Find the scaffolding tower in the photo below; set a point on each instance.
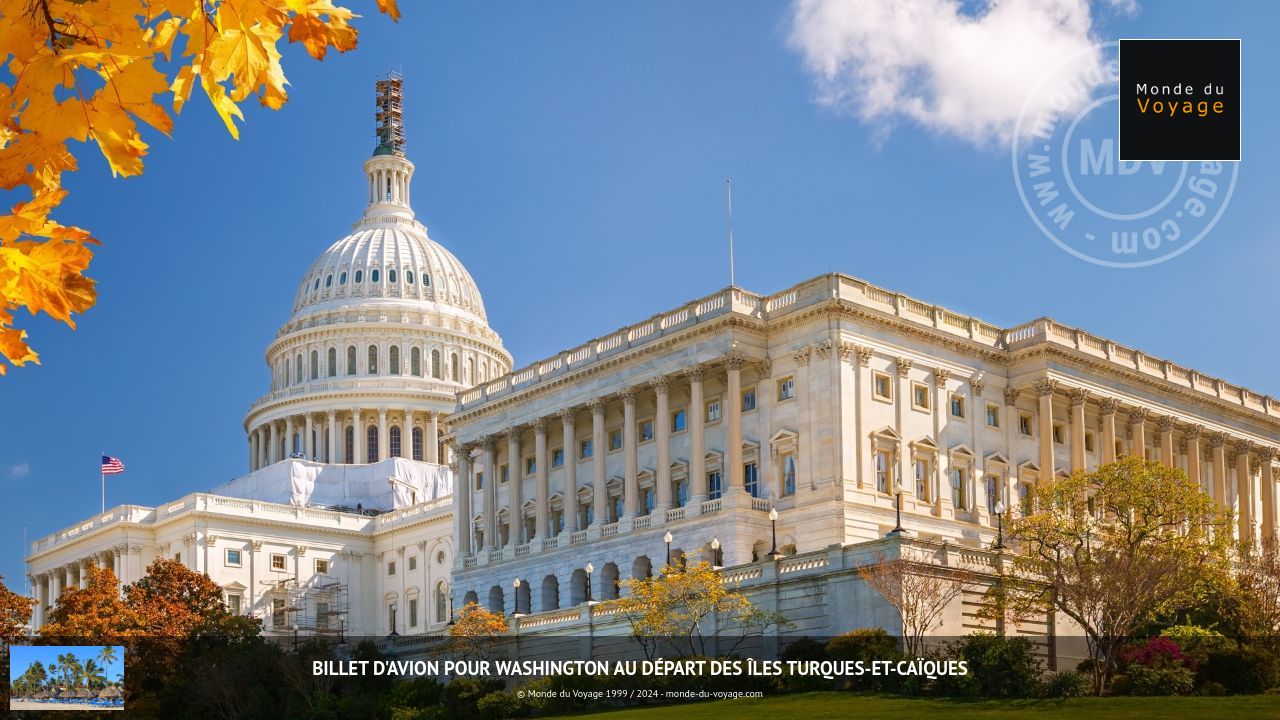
(390, 115)
(319, 609)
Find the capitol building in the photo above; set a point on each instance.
(400, 467)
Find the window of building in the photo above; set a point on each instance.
(413, 563)
(648, 500)
(957, 406)
(882, 386)
(408, 277)
(615, 439)
(322, 613)
(277, 612)
(618, 507)
(277, 561)
(374, 275)
(479, 481)
(993, 494)
(350, 454)
(530, 465)
(677, 421)
(395, 441)
(391, 275)
(1088, 441)
(1057, 433)
(391, 567)
(435, 364)
(234, 601)
(749, 399)
(328, 280)
(333, 362)
(177, 557)
(453, 367)
(751, 479)
(922, 469)
(393, 360)
(442, 603)
(787, 388)
(585, 449)
(788, 474)
(371, 445)
(233, 558)
(713, 410)
(372, 369)
(391, 609)
(342, 278)
(359, 276)
(351, 360)
(884, 471)
(413, 612)
(959, 496)
(315, 365)
(415, 362)
(680, 491)
(322, 566)
(920, 396)
(713, 485)
(557, 457)
(1024, 424)
(646, 430)
(417, 444)
(504, 473)
(993, 415)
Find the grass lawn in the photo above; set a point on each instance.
(819, 705)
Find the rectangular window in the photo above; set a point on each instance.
(504, 471)
(277, 612)
(646, 430)
(786, 388)
(585, 449)
(322, 567)
(479, 481)
(751, 479)
(958, 498)
(177, 557)
(713, 485)
(749, 399)
(1088, 442)
(322, 614)
(993, 494)
(993, 416)
(677, 421)
(957, 406)
(619, 506)
(391, 568)
(233, 604)
(413, 612)
(884, 471)
(233, 558)
(882, 386)
(557, 457)
(919, 396)
(713, 411)
(413, 563)
(922, 478)
(648, 501)
(615, 439)
(1024, 424)
(530, 465)
(680, 492)
(1057, 433)
(277, 561)
(788, 474)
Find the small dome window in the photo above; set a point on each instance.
(317, 285)
(328, 280)
(359, 276)
(373, 275)
(342, 278)
(426, 279)
(391, 276)
(408, 277)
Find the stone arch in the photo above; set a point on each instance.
(470, 597)
(642, 568)
(610, 584)
(524, 598)
(578, 587)
(550, 594)
(497, 601)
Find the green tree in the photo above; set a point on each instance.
(1112, 550)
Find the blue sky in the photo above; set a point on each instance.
(573, 156)
(23, 655)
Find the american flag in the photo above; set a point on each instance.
(111, 465)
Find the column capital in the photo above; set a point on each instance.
(733, 360)
(864, 354)
(904, 366)
(1137, 416)
(1266, 453)
(845, 348)
(490, 444)
(976, 383)
(694, 373)
(940, 376)
(1243, 447)
(1045, 387)
(332, 414)
(823, 349)
(1077, 396)
(1217, 440)
(1166, 423)
(567, 415)
(382, 413)
(539, 426)
(1011, 396)
(1108, 405)
(1192, 432)
(766, 367)
(628, 397)
(512, 433)
(597, 405)
(660, 384)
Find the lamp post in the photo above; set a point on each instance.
(999, 526)
(773, 520)
(295, 637)
(667, 539)
(897, 494)
(515, 600)
(590, 569)
(715, 552)
(450, 608)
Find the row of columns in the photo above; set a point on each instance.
(48, 586)
(266, 446)
(732, 473)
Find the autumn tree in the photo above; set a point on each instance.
(918, 590)
(171, 600)
(476, 631)
(94, 613)
(686, 608)
(1114, 549)
(15, 614)
(89, 71)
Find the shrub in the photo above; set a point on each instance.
(805, 649)
(865, 644)
(1064, 684)
(999, 667)
(1240, 671)
(1156, 653)
(1165, 680)
(502, 704)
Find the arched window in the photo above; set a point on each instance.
(297, 368)
(415, 362)
(359, 276)
(408, 277)
(328, 280)
(371, 455)
(317, 285)
(393, 359)
(342, 278)
(442, 602)
(417, 443)
(373, 275)
(373, 360)
(351, 359)
(435, 364)
(395, 441)
(453, 367)
(333, 362)
(391, 276)
(349, 455)
(315, 364)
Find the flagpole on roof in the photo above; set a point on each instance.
(104, 481)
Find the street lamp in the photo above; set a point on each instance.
(667, 539)
(999, 526)
(295, 637)
(590, 569)
(516, 600)
(773, 520)
(715, 552)
(451, 609)
(897, 494)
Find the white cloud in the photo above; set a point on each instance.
(951, 68)
(19, 470)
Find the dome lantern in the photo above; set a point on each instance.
(389, 171)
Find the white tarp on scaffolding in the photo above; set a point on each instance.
(302, 483)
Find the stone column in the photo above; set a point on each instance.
(462, 498)
(384, 440)
(906, 474)
(630, 439)
(275, 444)
(1268, 493)
(406, 439)
(1138, 431)
(515, 489)
(309, 442)
(771, 480)
(542, 490)
(862, 380)
(570, 483)
(697, 440)
(1166, 425)
(1217, 445)
(332, 454)
(433, 440)
(288, 436)
(733, 409)
(490, 461)
(38, 593)
(82, 574)
(942, 506)
(55, 586)
(264, 447)
(598, 451)
(1044, 394)
(357, 438)
(1007, 491)
(662, 438)
(1108, 408)
(1077, 397)
(253, 451)
(1244, 491)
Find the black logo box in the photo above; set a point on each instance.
(1187, 68)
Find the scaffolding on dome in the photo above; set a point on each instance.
(390, 115)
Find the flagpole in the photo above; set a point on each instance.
(104, 482)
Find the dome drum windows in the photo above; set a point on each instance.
(373, 360)
(393, 358)
(342, 278)
(351, 360)
(415, 362)
(408, 277)
(328, 280)
(391, 276)
(374, 275)
(333, 362)
(359, 277)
